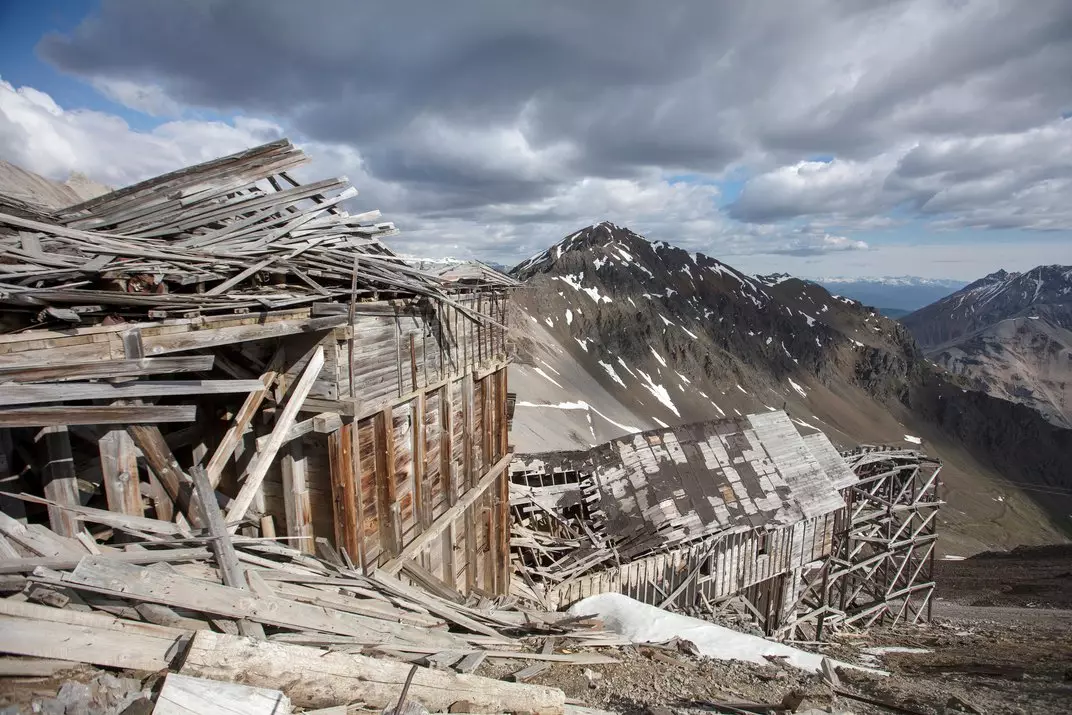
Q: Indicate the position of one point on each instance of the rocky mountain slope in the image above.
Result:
(616, 334)
(1009, 335)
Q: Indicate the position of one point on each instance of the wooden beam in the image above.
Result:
(243, 417)
(263, 460)
(344, 488)
(68, 391)
(119, 469)
(468, 499)
(107, 368)
(177, 484)
(141, 556)
(296, 504)
(59, 479)
(214, 337)
(184, 695)
(61, 416)
(232, 572)
(315, 679)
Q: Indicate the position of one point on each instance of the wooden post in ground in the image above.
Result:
(60, 482)
(119, 469)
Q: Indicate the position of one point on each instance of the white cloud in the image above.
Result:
(148, 98)
(39, 135)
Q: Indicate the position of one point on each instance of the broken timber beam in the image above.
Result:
(448, 517)
(315, 679)
(263, 459)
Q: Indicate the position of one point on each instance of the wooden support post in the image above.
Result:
(263, 460)
(420, 509)
(231, 570)
(12, 507)
(343, 488)
(119, 469)
(60, 482)
(177, 484)
(296, 498)
(385, 482)
(446, 442)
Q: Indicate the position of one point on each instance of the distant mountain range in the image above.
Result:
(615, 334)
(1009, 335)
(894, 295)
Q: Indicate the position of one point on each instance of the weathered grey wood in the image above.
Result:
(185, 695)
(529, 672)
(213, 337)
(263, 460)
(101, 575)
(60, 481)
(33, 667)
(144, 556)
(39, 541)
(296, 503)
(470, 662)
(107, 368)
(68, 391)
(448, 517)
(165, 616)
(176, 483)
(119, 469)
(313, 678)
(61, 416)
(86, 637)
(231, 571)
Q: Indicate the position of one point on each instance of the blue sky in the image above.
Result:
(918, 138)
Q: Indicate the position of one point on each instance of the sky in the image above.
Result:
(819, 138)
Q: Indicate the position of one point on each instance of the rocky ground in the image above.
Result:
(999, 643)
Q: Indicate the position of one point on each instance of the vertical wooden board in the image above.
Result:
(119, 471)
(343, 488)
(402, 471)
(296, 499)
(435, 501)
(446, 444)
(59, 479)
(458, 438)
(385, 484)
(478, 434)
(366, 461)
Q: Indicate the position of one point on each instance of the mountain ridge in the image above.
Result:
(618, 334)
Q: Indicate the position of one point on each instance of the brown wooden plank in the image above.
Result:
(58, 416)
(59, 480)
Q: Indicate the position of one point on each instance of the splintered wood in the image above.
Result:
(330, 633)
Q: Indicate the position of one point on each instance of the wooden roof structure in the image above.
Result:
(229, 235)
(680, 484)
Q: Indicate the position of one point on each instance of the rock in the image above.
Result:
(593, 677)
(75, 697)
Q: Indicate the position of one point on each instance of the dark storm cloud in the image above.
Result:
(490, 110)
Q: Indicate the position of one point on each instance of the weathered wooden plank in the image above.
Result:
(107, 368)
(67, 391)
(141, 556)
(119, 471)
(231, 571)
(177, 484)
(101, 575)
(296, 502)
(213, 337)
(60, 481)
(344, 488)
(185, 695)
(58, 416)
(313, 678)
(468, 499)
(263, 460)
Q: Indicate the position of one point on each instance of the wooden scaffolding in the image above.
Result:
(881, 570)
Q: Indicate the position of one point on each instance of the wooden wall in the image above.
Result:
(728, 564)
(405, 478)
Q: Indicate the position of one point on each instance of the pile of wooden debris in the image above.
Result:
(237, 233)
(288, 627)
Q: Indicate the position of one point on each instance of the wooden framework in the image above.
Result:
(332, 394)
(881, 571)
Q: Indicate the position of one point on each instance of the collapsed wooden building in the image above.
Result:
(229, 318)
(741, 515)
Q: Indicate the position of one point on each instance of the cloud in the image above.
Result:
(150, 99)
(503, 126)
(38, 134)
